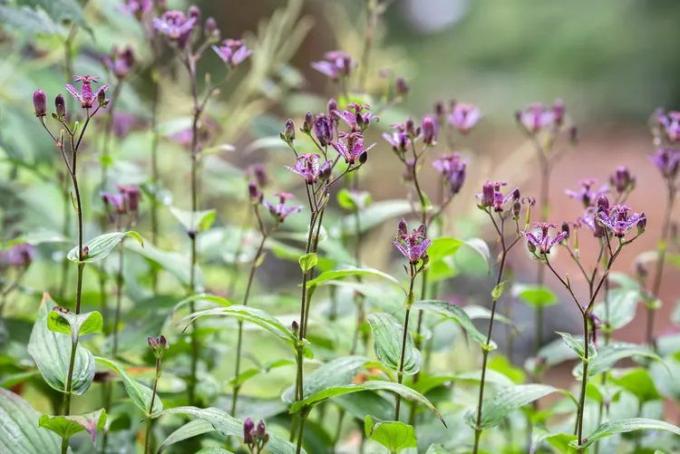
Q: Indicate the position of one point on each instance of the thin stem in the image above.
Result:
(584, 382)
(149, 419)
(404, 337)
(119, 299)
(543, 214)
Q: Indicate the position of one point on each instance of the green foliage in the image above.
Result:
(508, 400)
(68, 426)
(100, 247)
(610, 428)
(387, 339)
(139, 394)
(76, 325)
(19, 429)
(393, 435)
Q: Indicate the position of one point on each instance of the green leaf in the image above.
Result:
(508, 400)
(610, 428)
(308, 261)
(481, 248)
(376, 214)
(51, 352)
(19, 430)
(393, 435)
(194, 221)
(376, 385)
(608, 355)
(139, 394)
(640, 383)
(498, 290)
(59, 10)
(227, 425)
(443, 247)
(455, 313)
(622, 306)
(353, 200)
(252, 315)
(534, 295)
(340, 371)
(576, 345)
(387, 339)
(334, 275)
(62, 321)
(173, 262)
(68, 426)
(27, 20)
(255, 371)
(191, 429)
(100, 247)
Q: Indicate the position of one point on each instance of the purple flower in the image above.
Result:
(248, 431)
(464, 116)
(351, 146)
(323, 129)
(120, 62)
(620, 220)
(492, 196)
(308, 166)
(233, 52)
(671, 124)
(18, 256)
(667, 160)
(453, 168)
(131, 194)
(540, 239)
(398, 139)
(40, 103)
(356, 116)
(622, 180)
(86, 97)
(538, 116)
(60, 106)
(335, 64)
(115, 201)
(259, 173)
(175, 25)
(429, 128)
(412, 245)
(401, 87)
(586, 194)
(138, 7)
(281, 210)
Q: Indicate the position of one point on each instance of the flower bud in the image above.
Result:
(60, 106)
(332, 106)
(259, 173)
(429, 131)
(288, 134)
(325, 170)
(261, 430)
(559, 111)
(40, 103)
(602, 204)
(642, 223)
(401, 87)
(248, 429)
(566, 229)
(363, 157)
(211, 27)
(308, 123)
(254, 192)
(487, 194)
(294, 327)
(101, 98)
(194, 12)
(158, 345)
(516, 210)
(516, 195)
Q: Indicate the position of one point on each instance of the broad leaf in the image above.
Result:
(455, 313)
(51, 352)
(62, 321)
(534, 295)
(308, 261)
(610, 428)
(227, 425)
(68, 426)
(393, 435)
(100, 247)
(622, 305)
(608, 355)
(174, 263)
(139, 394)
(334, 275)
(194, 221)
(60, 10)
(638, 382)
(443, 247)
(340, 371)
(508, 400)
(481, 248)
(374, 215)
(576, 345)
(388, 336)
(191, 429)
(19, 430)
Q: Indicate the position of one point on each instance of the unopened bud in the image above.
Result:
(401, 87)
(40, 103)
(288, 133)
(429, 131)
(325, 170)
(642, 223)
(308, 123)
(566, 229)
(363, 157)
(194, 12)
(60, 106)
(211, 27)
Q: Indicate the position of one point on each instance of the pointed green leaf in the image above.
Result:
(61, 320)
(508, 400)
(622, 306)
(534, 295)
(101, 246)
(194, 221)
(51, 352)
(308, 261)
(340, 371)
(455, 313)
(608, 355)
(576, 345)
(19, 430)
(442, 247)
(68, 426)
(393, 435)
(388, 335)
(191, 429)
(334, 275)
(481, 248)
(610, 428)
(139, 394)
(638, 382)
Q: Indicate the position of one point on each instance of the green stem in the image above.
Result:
(149, 419)
(584, 382)
(404, 337)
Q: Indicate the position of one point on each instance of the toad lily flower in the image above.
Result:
(538, 116)
(667, 160)
(351, 147)
(621, 219)
(356, 116)
(671, 125)
(452, 168)
(120, 62)
(175, 25)
(86, 96)
(308, 166)
(336, 64)
(412, 245)
(233, 52)
(622, 180)
(464, 117)
(280, 211)
(586, 194)
(540, 241)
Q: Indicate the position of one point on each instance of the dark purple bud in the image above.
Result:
(288, 134)
(40, 103)
(439, 111)
(559, 111)
(429, 129)
(487, 194)
(603, 203)
(211, 27)
(325, 170)
(60, 106)
(641, 223)
(101, 98)
(259, 173)
(261, 430)
(622, 180)
(410, 128)
(308, 123)
(323, 130)
(254, 192)
(294, 327)
(401, 87)
(516, 195)
(566, 229)
(131, 194)
(332, 106)
(363, 157)
(248, 429)
(194, 12)
(158, 345)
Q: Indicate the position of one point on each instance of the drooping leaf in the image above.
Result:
(174, 263)
(68, 426)
(227, 425)
(101, 246)
(376, 385)
(622, 305)
(387, 339)
(609, 428)
(455, 313)
(508, 400)
(638, 382)
(191, 429)
(62, 321)
(481, 248)
(51, 352)
(139, 393)
(19, 430)
(194, 221)
(608, 355)
(340, 371)
(393, 435)
(335, 275)
(534, 295)
(375, 214)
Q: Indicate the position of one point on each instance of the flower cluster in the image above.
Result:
(281, 210)
(158, 345)
(412, 245)
(233, 52)
(538, 117)
(587, 194)
(543, 237)
(670, 125)
(667, 160)
(493, 198)
(620, 219)
(255, 437)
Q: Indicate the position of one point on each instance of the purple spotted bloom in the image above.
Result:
(351, 147)
(452, 167)
(120, 61)
(587, 193)
(538, 116)
(492, 196)
(323, 128)
(138, 7)
(86, 96)
(412, 245)
(540, 241)
(233, 52)
(336, 64)
(464, 116)
(670, 122)
(620, 219)
(397, 138)
(667, 160)
(308, 166)
(176, 25)
(429, 129)
(356, 116)
(281, 210)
